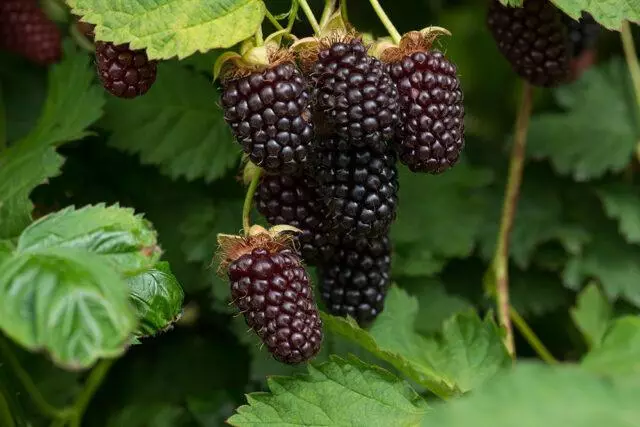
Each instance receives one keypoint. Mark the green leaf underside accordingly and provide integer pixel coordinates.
(592, 314)
(533, 395)
(622, 203)
(617, 355)
(577, 144)
(157, 297)
(178, 125)
(73, 103)
(172, 27)
(469, 352)
(66, 302)
(336, 393)
(609, 13)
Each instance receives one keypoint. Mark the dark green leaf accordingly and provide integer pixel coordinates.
(592, 314)
(618, 353)
(622, 203)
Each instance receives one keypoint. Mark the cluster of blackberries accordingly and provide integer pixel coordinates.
(543, 45)
(124, 72)
(328, 140)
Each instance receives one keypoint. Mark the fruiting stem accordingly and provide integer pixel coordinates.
(531, 337)
(259, 36)
(501, 258)
(329, 7)
(92, 384)
(80, 39)
(391, 29)
(45, 408)
(278, 26)
(632, 62)
(248, 201)
(293, 14)
(310, 16)
(344, 11)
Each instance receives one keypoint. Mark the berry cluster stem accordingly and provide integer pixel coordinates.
(531, 337)
(632, 62)
(274, 21)
(501, 259)
(391, 29)
(310, 16)
(248, 201)
(344, 10)
(329, 7)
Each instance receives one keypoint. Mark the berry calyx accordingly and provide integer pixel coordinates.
(534, 39)
(268, 110)
(26, 30)
(272, 290)
(354, 95)
(124, 72)
(430, 137)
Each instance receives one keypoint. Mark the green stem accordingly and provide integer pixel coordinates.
(259, 36)
(41, 403)
(310, 16)
(90, 387)
(3, 122)
(391, 29)
(274, 21)
(80, 39)
(531, 337)
(344, 11)
(293, 14)
(248, 201)
(512, 193)
(6, 419)
(329, 7)
(632, 57)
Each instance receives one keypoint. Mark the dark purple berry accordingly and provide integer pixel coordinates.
(583, 34)
(534, 39)
(26, 30)
(431, 134)
(296, 201)
(355, 96)
(356, 281)
(270, 116)
(273, 292)
(359, 187)
(124, 72)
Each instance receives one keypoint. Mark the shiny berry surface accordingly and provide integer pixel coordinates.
(124, 72)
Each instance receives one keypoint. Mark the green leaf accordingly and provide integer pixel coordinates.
(178, 126)
(126, 240)
(67, 303)
(622, 203)
(336, 393)
(618, 353)
(174, 28)
(592, 314)
(157, 297)
(469, 352)
(533, 395)
(577, 144)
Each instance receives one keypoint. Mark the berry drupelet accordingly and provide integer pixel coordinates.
(431, 135)
(124, 72)
(356, 281)
(270, 116)
(359, 187)
(355, 95)
(26, 30)
(534, 39)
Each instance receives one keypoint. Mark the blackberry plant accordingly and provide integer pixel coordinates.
(124, 72)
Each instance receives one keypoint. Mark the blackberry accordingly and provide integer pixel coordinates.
(26, 30)
(583, 34)
(296, 201)
(356, 281)
(355, 95)
(359, 187)
(431, 135)
(124, 72)
(534, 39)
(270, 116)
(272, 290)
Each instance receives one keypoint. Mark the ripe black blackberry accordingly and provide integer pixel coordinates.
(355, 95)
(431, 135)
(534, 39)
(583, 34)
(124, 72)
(271, 288)
(296, 201)
(359, 187)
(26, 30)
(357, 279)
(270, 116)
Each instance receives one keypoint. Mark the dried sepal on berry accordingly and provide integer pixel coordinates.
(411, 42)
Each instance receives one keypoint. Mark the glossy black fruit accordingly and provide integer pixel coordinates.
(124, 72)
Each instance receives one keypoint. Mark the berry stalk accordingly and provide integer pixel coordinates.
(391, 29)
(532, 338)
(273, 21)
(329, 7)
(248, 201)
(310, 16)
(632, 62)
(500, 262)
